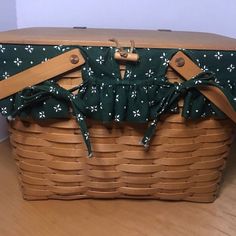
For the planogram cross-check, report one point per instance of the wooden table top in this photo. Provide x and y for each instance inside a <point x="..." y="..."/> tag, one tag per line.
<point x="112" y="217"/>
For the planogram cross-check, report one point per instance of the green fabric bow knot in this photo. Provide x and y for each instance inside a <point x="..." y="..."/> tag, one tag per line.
<point x="178" y="90"/>
<point x="46" y="90"/>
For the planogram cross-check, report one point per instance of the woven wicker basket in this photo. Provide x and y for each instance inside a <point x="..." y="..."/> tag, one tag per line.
<point x="185" y="161"/>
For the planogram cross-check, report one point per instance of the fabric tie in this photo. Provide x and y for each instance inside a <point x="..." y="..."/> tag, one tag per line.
<point x="178" y="90"/>
<point x="43" y="92"/>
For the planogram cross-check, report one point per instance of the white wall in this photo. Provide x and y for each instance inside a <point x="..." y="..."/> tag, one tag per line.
<point x="8" y="15"/>
<point x="218" y="16"/>
<point x="7" y="21"/>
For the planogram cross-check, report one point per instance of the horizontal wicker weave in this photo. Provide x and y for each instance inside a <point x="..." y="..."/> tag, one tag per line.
<point x="185" y="160"/>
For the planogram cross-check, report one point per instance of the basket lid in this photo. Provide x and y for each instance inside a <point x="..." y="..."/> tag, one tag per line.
<point x="101" y="37"/>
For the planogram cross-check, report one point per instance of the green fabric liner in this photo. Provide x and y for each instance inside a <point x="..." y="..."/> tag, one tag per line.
<point x="143" y="95"/>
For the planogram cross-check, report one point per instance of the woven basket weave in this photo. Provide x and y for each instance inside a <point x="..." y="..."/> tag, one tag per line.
<point x="185" y="160"/>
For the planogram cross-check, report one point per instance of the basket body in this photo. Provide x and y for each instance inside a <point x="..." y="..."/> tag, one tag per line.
<point x="185" y="161"/>
<point x="136" y="76"/>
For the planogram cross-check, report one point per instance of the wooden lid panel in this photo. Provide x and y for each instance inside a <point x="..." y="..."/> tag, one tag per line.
<point x="101" y="37"/>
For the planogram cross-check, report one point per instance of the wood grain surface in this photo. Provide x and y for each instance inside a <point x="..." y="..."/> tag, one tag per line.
<point x="101" y="37"/>
<point x="112" y="217"/>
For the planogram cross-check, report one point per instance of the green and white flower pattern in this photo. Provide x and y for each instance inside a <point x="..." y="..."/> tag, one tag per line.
<point x="139" y="97"/>
<point x="2" y="49"/>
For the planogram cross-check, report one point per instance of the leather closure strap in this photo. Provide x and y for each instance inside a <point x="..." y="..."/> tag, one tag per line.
<point x="42" y="72"/>
<point x="184" y="66"/>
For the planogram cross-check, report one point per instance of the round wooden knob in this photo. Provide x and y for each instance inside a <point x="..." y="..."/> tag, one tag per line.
<point x="179" y="61"/>
<point x="74" y="59"/>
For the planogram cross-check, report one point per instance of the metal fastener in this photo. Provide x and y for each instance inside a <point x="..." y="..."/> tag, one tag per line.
<point x="179" y="61"/>
<point x="74" y="59"/>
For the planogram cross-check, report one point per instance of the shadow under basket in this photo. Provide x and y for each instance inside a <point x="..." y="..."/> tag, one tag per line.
<point x="185" y="160"/>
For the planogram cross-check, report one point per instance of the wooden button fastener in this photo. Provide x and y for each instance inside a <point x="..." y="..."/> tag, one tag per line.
<point x="179" y="61"/>
<point x="74" y="59"/>
<point x="123" y="54"/>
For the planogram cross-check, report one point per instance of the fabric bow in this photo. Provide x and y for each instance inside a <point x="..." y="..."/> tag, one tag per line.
<point x="178" y="90"/>
<point x="42" y="92"/>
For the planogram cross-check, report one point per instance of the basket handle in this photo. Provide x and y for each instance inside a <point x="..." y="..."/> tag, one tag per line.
<point x="42" y="72"/>
<point x="184" y="66"/>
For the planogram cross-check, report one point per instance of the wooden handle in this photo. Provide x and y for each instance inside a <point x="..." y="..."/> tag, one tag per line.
<point x="183" y="65"/>
<point x="42" y="72"/>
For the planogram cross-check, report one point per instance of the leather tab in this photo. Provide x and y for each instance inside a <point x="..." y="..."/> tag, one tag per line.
<point x="184" y="66"/>
<point x="188" y="69"/>
<point x="42" y="72"/>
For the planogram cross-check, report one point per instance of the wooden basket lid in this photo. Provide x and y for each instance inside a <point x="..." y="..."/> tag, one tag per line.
<point x="101" y="37"/>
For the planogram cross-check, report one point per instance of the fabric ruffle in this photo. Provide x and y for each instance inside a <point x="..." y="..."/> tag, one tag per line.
<point x="143" y="95"/>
